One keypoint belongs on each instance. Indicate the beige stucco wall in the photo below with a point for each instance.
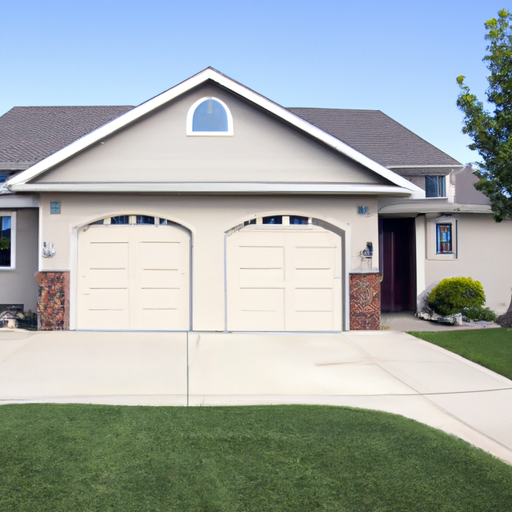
(208, 218)
(484, 253)
(262, 149)
(18, 285)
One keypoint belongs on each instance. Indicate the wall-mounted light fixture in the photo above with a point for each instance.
(48, 250)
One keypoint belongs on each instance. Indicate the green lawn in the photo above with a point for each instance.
(491, 348)
(297, 458)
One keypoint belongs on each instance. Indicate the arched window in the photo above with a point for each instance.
(209, 116)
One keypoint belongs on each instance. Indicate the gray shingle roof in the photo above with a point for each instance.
(29, 134)
(376, 135)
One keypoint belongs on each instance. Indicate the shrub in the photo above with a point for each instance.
(478, 313)
(456, 294)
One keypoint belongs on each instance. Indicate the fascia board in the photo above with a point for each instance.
(217, 188)
(228, 83)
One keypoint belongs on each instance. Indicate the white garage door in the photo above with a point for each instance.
(284, 278)
(133, 276)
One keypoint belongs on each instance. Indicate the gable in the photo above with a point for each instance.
(157, 149)
(133, 148)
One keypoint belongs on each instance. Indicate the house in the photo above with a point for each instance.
(211, 208)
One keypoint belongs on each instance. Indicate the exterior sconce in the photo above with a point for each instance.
(48, 250)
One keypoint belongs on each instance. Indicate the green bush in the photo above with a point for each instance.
(456, 294)
(478, 313)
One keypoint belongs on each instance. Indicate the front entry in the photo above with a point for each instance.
(398, 249)
(284, 278)
(133, 276)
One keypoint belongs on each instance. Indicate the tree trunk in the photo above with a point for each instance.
(505, 320)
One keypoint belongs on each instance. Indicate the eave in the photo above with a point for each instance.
(216, 188)
(417, 206)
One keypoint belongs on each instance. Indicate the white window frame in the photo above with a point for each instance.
(190, 118)
(13, 239)
(441, 178)
(432, 224)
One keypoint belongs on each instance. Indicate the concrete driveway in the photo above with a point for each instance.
(384, 370)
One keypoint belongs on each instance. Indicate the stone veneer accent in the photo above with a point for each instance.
(365, 302)
(53, 302)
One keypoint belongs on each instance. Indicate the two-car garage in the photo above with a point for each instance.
(282, 273)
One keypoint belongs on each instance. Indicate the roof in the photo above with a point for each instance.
(29, 134)
(377, 136)
(21, 182)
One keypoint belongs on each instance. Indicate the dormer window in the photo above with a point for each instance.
(210, 117)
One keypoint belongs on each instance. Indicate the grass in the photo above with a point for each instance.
(297, 458)
(491, 348)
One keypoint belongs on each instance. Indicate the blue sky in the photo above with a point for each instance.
(401, 57)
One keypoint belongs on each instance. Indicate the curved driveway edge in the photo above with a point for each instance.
(383, 370)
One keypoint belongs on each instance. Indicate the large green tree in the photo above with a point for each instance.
(491, 132)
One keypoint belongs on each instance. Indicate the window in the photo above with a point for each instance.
(131, 219)
(444, 239)
(434, 186)
(280, 220)
(6, 241)
(209, 116)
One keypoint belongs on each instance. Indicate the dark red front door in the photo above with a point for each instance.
(398, 256)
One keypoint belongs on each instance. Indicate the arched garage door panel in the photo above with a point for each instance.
(133, 277)
(284, 279)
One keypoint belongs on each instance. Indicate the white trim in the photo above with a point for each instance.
(218, 187)
(421, 254)
(107, 129)
(445, 166)
(73, 278)
(12, 215)
(434, 205)
(190, 118)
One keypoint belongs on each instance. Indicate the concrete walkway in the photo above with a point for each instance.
(383, 370)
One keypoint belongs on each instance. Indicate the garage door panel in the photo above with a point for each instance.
(311, 321)
(264, 256)
(105, 255)
(262, 277)
(161, 278)
(108, 299)
(108, 278)
(313, 278)
(315, 257)
(262, 300)
(161, 298)
(106, 319)
(308, 300)
(160, 255)
(161, 319)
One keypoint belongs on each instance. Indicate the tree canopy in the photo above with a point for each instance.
(491, 132)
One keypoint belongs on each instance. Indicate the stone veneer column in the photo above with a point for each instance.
(53, 302)
(365, 302)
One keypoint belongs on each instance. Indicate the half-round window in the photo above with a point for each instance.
(209, 116)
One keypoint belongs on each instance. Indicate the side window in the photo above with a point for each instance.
(211, 117)
(6, 241)
(444, 239)
(435, 186)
